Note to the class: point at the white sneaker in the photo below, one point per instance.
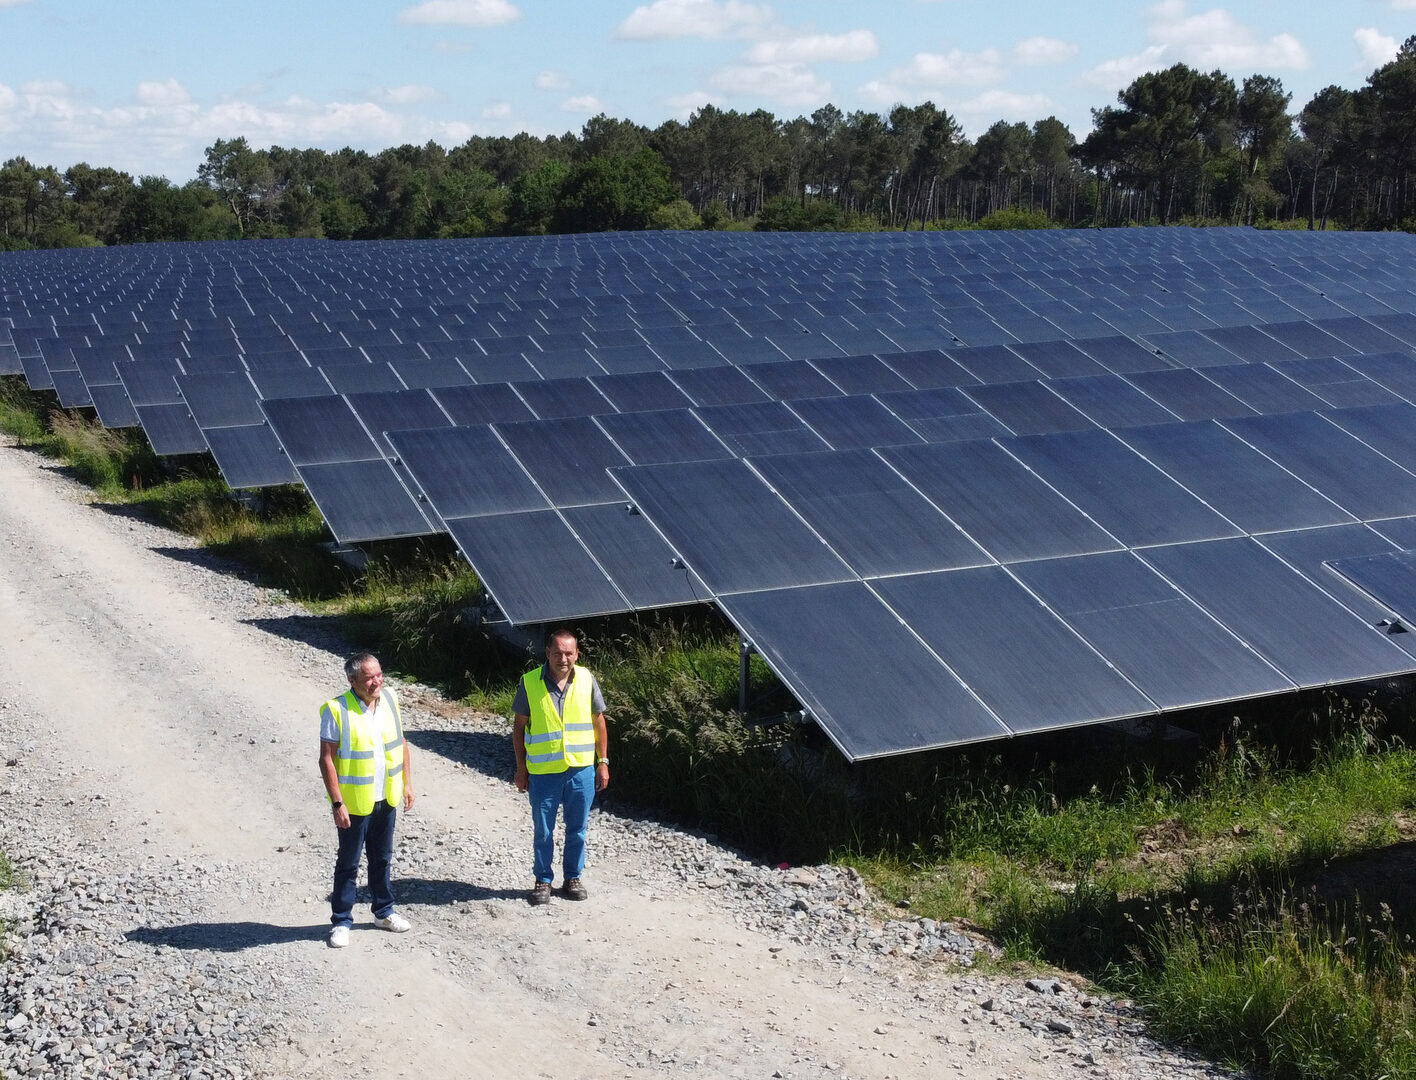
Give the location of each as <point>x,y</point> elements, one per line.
<point>394,923</point>
<point>339,937</point>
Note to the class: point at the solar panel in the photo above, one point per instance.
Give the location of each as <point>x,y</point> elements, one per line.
<point>1248,488</point>
<point>911,700</point>
<point>729,527</point>
<point>560,580</point>
<point>1159,639</point>
<point>1002,506</point>
<point>249,456</point>
<point>875,521</point>
<point>1299,629</point>
<point>1239,375</point>
<point>1123,493</point>
<point>1022,661</point>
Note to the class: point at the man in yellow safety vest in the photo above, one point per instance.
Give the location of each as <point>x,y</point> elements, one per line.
<point>367,772</point>
<point>562,758</point>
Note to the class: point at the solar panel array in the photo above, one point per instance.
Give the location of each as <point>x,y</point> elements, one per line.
<point>952,486</point>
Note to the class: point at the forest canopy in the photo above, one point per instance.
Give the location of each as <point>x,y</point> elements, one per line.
<point>1178,146</point>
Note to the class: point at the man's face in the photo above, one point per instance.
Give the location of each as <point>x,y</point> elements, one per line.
<point>368,680</point>
<point>561,655</point>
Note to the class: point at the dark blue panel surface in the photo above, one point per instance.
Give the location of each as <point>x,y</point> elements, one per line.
<point>1188,394</point>
<point>113,407</point>
<point>1389,579</point>
<point>1121,355</point>
<point>559,581</point>
<point>1309,550</point>
<point>1250,343</point>
<point>860,374</point>
<point>249,456</point>
<point>1006,509</point>
<point>995,364</point>
<point>1058,359</point>
<point>848,423</point>
<point>790,379</point>
<point>902,700</point>
<point>399,410</point>
<point>1264,389</point>
<point>1162,641</point>
<point>1298,628</point>
<point>641,391</point>
<point>315,430</point>
<point>1344,469</point>
<point>1027,665</point>
<point>869,515</point>
<point>1028,408</point>
<point>635,556</point>
<point>663,435</point>
<point>718,386</point>
<point>171,430</point>
<point>362,378</point>
<point>730,529</point>
<point>928,369</point>
<point>1110,401</point>
<point>567,458</point>
<point>470,405</point>
<point>291,382</point>
<point>363,501</point>
<point>563,397</point>
<point>1388,429</point>
<point>1120,491</point>
<point>1306,339</point>
<point>221,400</point>
<point>419,374</point>
<point>466,471</point>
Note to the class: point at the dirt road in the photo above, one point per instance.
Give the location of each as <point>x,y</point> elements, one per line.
<point>161,719</point>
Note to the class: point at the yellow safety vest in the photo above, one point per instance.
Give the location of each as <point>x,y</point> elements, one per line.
<point>556,741</point>
<point>354,760</point>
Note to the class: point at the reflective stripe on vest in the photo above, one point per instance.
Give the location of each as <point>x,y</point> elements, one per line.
<point>354,760</point>
<point>559,741</point>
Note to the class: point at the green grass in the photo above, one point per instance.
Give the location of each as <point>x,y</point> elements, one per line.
<point>1252,891</point>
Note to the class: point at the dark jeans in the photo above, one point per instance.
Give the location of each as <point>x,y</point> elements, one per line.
<point>374,835</point>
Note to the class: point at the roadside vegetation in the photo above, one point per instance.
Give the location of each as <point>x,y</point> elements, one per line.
<point>1247,882</point>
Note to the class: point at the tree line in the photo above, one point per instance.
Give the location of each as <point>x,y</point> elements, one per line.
<point>1179,146</point>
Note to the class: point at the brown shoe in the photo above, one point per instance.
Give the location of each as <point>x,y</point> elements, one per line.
<point>541,894</point>
<point>574,889</point>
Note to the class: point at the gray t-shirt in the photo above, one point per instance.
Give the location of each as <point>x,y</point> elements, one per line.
<point>522,707</point>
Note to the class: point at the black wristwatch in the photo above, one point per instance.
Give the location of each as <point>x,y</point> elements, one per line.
<point>336,806</point>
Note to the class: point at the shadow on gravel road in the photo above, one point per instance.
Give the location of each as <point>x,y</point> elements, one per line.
<point>430,891</point>
<point>488,752</point>
<point>224,936</point>
<point>316,630</point>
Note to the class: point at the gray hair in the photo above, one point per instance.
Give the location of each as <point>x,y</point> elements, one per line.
<point>357,661</point>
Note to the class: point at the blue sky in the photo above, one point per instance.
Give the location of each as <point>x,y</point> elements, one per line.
<point>147,85</point>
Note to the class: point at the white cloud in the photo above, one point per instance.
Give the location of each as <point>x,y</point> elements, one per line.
<point>498,110</point>
<point>1215,38</point>
<point>460,13</point>
<point>1124,70</point>
<point>954,68</point>
<point>1376,48</point>
<point>1399,5</point>
<point>160,94</point>
<point>685,105</point>
<point>810,48</point>
<point>706,19</point>
<point>994,105</point>
<point>791,84</point>
<point>406,95</point>
<point>552,80</point>
<point>1034,51</point>
<point>12,3</point>
<point>588,104</point>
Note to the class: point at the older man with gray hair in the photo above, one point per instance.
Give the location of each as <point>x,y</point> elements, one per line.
<point>367,772</point>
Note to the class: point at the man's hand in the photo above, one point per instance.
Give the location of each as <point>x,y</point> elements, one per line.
<point>341,817</point>
<point>602,777</point>
<point>523,779</point>
<point>407,798</point>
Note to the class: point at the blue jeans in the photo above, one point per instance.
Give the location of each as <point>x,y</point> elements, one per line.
<point>573,789</point>
<point>372,833</point>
